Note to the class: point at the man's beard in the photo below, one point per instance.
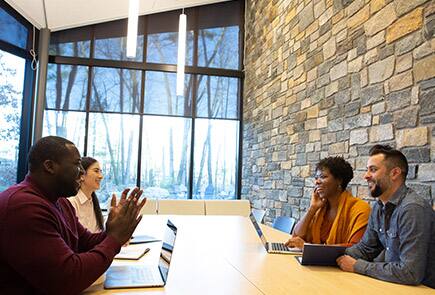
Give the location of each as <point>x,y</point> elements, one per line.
<point>67,188</point>
<point>376,192</point>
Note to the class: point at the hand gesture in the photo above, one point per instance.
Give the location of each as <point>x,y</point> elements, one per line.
<point>295,242</point>
<point>123,216</point>
<point>317,202</point>
<point>346,263</point>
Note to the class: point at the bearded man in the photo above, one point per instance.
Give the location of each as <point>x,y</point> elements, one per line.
<point>399,243</point>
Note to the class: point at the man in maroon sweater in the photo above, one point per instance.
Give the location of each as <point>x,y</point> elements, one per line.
<point>43,247</point>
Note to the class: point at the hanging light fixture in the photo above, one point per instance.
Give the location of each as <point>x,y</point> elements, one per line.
<point>181,53</point>
<point>133,15</point>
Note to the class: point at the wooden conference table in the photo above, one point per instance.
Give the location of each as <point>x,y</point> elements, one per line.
<point>224,255</point>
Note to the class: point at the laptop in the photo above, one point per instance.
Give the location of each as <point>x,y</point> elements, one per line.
<point>144,276</point>
<point>318,254</point>
<point>273,248</point>
<point>141,239</point>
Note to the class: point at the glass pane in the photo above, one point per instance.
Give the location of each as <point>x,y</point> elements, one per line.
<point>162,37</point>
<point>160,94</point>
<point>11,97</point>
<point>116,90</point>
<point>215,161</point>
<point>219,48</point>
<point>75,49</point>
<point>113,140</point>
<point>111,40</point>
<point>165,157</point>
<point>163,48</point>
<point>217,97</point>
<point>69,125</point>
<point>72,42</point>
<point>116,49</point>
<point>66,87</point>
<point>11,30</point>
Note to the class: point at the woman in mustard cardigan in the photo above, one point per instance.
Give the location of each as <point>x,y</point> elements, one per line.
<point>334,215</point>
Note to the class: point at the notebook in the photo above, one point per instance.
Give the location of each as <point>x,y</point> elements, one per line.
<point>144,276</point>
<point>132,252</point>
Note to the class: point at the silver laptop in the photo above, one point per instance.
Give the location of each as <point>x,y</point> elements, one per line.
<point>144,276</point>
<point>274,248</point>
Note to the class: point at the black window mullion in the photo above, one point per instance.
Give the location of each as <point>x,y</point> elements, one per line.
<point>132,65</point>
<point>192,136</point>
<point>89,93</point>
<point>141,108</point>
<point>139,159</point>
<point>240,103</point>
<point>193,102</point>
<point>240,150</point>
<point>12,49</point>
<point>26,121</point>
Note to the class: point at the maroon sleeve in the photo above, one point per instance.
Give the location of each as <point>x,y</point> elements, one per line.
<point>39,253</point>
<point>86,239</point>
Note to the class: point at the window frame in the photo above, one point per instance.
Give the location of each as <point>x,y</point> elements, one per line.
<point>144,67</point>
<point>27,115</point>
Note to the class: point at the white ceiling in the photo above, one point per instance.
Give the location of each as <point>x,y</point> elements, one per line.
<point>64,14</point>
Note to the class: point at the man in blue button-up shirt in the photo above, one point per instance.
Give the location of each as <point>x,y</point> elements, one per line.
<point>399,243</point>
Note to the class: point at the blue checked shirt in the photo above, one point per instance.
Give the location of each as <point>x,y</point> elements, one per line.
<point>399,243</point>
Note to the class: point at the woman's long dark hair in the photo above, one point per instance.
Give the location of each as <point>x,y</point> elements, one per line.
<point>86,163</point>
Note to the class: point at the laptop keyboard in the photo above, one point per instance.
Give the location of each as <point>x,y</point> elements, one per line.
<point>279,247</point>
<point>145,275</point>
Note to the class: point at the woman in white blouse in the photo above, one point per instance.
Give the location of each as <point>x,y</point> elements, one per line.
<point>86,203</point>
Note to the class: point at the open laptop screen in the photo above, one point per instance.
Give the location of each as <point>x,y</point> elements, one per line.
<point>258,230</point>
<point>167,249</point>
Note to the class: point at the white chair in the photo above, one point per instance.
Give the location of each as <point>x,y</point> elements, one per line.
<point>181,207</point>
<point>150,207</point>
<point>227,207</point>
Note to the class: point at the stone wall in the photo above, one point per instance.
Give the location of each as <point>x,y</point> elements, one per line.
<point>335,77</point>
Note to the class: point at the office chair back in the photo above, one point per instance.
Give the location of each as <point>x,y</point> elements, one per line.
<point>284,223</point>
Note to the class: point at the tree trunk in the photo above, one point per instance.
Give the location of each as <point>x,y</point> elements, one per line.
<point>106,128</point>
<point>201,167</point>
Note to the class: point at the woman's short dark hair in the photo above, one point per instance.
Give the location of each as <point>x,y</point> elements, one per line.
<point>86,163</point>
<point>339,168</point>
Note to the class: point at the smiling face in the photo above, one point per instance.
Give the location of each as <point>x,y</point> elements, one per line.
<point>326,184</point>
<point>68,172</point>
<point>92,178</point>
<point>378,175</point>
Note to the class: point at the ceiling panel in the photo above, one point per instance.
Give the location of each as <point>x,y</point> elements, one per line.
<point>64,14</point>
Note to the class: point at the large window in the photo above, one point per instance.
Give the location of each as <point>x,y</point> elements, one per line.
<point>16,78</point>
<point>125,112</point>
<point>215,160</point>
<point>13,31</point>
<point>11,93</point>
<point>165,157</point>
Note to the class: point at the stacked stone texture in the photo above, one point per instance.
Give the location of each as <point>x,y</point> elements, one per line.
<point>333,78</point>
